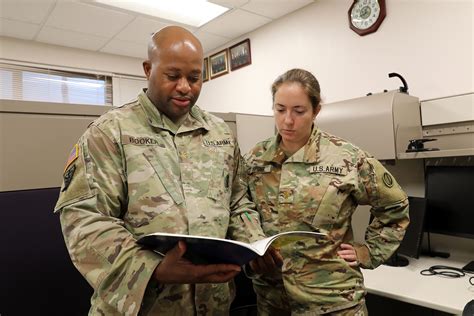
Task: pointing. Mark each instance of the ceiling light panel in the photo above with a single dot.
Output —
(190, 12)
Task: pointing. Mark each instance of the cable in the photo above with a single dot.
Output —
(446, 271)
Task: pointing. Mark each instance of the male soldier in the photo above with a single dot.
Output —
(156, 164)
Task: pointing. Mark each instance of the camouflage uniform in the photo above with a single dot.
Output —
(134, 172)
(317, 189)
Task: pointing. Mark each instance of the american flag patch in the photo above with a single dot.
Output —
(72, 156)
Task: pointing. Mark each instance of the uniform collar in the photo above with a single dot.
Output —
(157, 119)
(307, 154)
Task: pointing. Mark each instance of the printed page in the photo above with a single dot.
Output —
(283, 239)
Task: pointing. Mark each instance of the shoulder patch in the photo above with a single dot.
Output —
(387, 179)
(72, 156)
(68, 177)
(389, 191)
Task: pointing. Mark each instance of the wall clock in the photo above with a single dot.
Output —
(365, 16)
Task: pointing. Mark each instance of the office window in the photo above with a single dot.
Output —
(48, 85)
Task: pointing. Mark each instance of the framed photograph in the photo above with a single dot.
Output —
(205, 70)
(218, 64)
(240, 55)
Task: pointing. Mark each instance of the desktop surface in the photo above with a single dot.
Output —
(408, 285)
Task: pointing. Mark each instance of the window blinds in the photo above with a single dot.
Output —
(48, 85)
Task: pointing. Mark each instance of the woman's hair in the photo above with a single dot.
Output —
(306, 79)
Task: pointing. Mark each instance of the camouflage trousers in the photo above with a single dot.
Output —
(357, 310)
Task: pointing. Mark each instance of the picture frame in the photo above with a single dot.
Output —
(205, 69)
(218, 64)
(240, 55)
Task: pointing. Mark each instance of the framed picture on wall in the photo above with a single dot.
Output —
(240, 55)
(218, 64)
(205, 70)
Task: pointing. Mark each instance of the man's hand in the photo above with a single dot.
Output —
(348, 253)
(269, 264)
(177, 270)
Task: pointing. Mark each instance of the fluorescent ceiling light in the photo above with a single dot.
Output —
(190, 12)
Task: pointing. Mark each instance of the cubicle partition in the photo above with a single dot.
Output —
(37, 275)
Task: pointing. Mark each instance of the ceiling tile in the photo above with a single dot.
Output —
(55, 36)
(89, 19)
(25, 10)
(231, 24)
(210, 41)
(18, 29)
(85, 24)
(230, 3)
(274, 8)
(140, 30)
(126, 48)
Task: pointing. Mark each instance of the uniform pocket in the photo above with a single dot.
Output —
(219, 188)
(153, 193)
(219, 183)
(263, 195)
(327, 211)
(167, 178)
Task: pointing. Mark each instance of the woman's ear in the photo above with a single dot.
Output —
(316, 111)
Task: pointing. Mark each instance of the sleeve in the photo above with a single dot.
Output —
(92, 201)
(244, 219)
(389, 202)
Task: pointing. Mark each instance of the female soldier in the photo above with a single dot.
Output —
(306, 179)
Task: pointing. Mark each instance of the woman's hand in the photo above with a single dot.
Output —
(270, 263)
(348, 253)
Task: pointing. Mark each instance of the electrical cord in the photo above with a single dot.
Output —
(446, 271)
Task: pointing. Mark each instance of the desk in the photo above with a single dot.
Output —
(406, 284)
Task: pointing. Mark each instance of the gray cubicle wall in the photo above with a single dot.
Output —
(248, 128)
(35, 139)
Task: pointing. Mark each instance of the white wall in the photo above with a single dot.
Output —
(429, 42)
(126, 89)
(39, 53)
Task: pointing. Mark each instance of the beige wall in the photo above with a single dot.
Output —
(429, 42)
(432, 49)
(39, 53)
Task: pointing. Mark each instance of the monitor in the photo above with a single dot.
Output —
(411, 243)
(450, 195)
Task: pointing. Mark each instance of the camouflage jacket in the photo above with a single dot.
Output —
(130, 174)
(318, 189)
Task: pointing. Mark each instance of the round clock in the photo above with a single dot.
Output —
(365, 16)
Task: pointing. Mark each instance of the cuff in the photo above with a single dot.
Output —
(249, 273)
(363, 255)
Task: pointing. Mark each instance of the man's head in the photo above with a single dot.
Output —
(174, 71)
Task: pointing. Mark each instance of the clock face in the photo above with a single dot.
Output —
(365, 16)
(365, 13)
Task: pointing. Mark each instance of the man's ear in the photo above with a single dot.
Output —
(147, 68)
